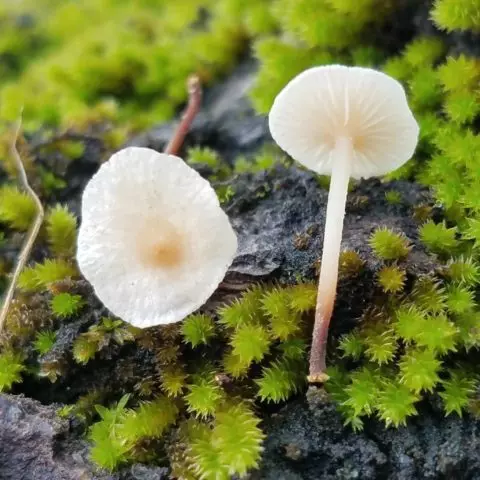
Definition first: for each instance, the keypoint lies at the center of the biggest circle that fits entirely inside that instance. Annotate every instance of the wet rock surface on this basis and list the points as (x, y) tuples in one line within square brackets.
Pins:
[(35, 444), (33, 441), (307, 441)]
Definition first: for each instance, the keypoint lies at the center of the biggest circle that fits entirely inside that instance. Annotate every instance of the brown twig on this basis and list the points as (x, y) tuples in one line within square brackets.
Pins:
[(32, 234), (194, 102)]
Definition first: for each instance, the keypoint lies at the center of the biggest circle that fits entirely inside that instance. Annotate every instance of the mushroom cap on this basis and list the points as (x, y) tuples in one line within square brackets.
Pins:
[(153, 241), (325, 103)]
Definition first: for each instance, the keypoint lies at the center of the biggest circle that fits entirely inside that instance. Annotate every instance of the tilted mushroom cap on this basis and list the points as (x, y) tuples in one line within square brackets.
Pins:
[(324, 103), (153, 242)]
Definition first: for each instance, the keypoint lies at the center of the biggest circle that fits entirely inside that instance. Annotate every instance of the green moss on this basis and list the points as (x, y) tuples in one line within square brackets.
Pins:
[(459, 74), (197, 329), (425, 90), (380, 343), (44, 341), (458, 391), (350, 263), (173, 380), (423, 51), (111, 61), (362, 391), (462, 107), (11, 368), (463, 270), (393, 197), (389, 245), (456, 14), (65, 305), (246, 309), (284, 323), (61, 231), (438, 237), (17, 209), (303, 297), (391, 279), (232, 446), (280, 380), (395, 403), (429, 295), (149, 420), (250, 343), (352, 345), (460, 299), (99, 336), (419, 370), (43, 275), (205, 156), (203, 396)]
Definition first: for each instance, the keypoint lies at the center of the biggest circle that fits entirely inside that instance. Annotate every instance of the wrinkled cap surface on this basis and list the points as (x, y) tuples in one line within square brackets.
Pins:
[(323, 103), (153, 242)]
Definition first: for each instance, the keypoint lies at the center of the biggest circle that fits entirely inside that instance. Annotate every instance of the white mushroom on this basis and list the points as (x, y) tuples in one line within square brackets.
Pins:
[(344, 122), (153, 242)]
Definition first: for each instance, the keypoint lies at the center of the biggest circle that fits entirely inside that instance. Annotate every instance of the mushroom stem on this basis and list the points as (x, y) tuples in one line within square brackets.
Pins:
[(194, 101), (342, 157)]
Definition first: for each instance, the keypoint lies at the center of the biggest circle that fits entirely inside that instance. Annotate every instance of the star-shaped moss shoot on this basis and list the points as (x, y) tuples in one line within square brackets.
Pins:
[(346, 122), (153, 242)]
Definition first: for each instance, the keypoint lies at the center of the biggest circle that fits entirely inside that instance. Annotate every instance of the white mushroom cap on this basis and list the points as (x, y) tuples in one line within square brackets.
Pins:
[(153, 242), (325, 103)]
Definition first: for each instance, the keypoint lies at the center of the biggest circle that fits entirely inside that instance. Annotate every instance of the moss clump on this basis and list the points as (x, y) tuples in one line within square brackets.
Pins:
[(44, 341), (100, 61), (389, 245), (350, 263), (255, 358), (438, 237), (198, 329), (204, 395), (120, 429), (99, 336), (457, 392), (61, 231), (232, 445), (46, 274), (11, 368), (391, 278), (17, 209), (456, 15), (65, 305), (463, 270), (399, 352), (281, 380)]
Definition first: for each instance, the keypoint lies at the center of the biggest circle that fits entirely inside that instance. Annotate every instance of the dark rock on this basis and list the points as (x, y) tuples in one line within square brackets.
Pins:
[(144, 472), (270, 210), (307, 441), (226, 122), (38, 445), (32, 444), (322, 447)]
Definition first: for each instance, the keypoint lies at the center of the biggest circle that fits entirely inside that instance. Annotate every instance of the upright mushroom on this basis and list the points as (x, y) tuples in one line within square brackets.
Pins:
[(344, 122), (153, 242)]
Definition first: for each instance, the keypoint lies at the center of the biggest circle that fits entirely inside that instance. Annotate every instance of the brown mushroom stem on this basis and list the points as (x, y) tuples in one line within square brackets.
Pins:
[(342, 157), (194, 102)]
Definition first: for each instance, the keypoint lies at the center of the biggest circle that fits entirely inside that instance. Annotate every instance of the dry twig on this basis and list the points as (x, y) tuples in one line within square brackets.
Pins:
[(194, 102), (32, 234)]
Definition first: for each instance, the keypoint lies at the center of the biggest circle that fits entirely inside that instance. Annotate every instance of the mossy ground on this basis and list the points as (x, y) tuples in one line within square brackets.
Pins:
[(414, 335)]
